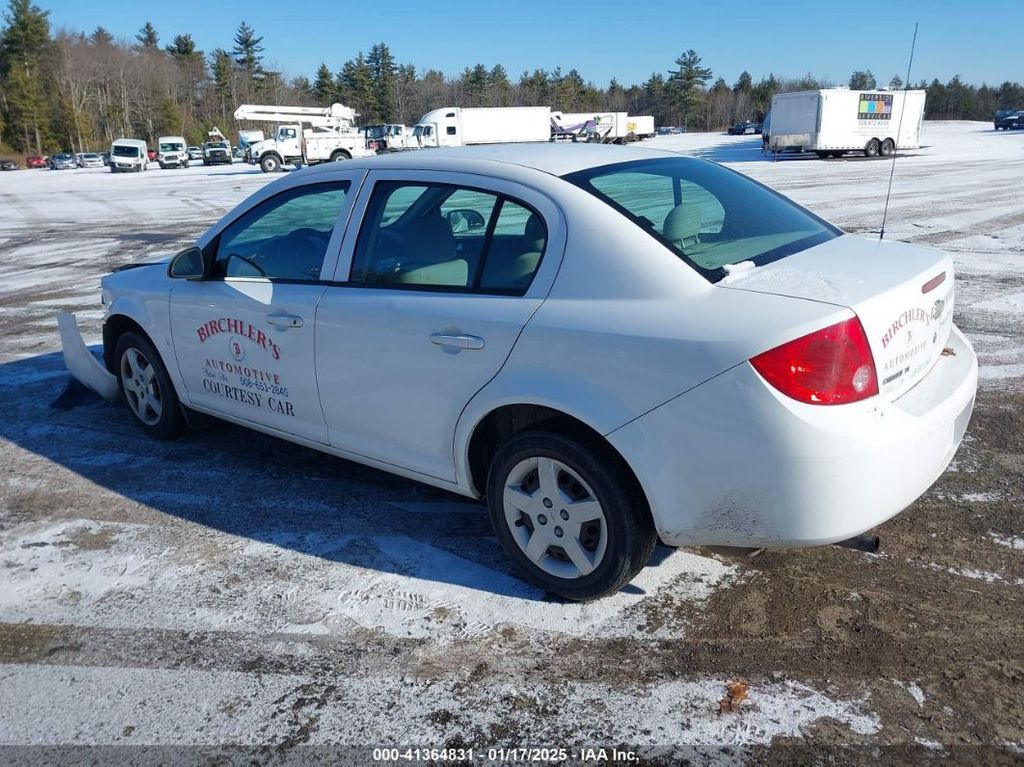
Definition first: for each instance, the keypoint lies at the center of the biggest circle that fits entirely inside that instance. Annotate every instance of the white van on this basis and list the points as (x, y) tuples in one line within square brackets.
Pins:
[(128, 154), (172, 152)]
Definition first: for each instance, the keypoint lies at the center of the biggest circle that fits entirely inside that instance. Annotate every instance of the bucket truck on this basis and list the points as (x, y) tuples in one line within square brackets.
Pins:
[(304, 135)]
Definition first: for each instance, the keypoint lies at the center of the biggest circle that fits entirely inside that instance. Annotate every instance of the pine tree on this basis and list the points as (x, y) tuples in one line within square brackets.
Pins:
[(101, 37), (247, 51), (147, 37), (862, 81), (686, 84), (23, 45), (184, 49), (324, 89), (382, 70), (896, 83), (357, 88), (499, 89)]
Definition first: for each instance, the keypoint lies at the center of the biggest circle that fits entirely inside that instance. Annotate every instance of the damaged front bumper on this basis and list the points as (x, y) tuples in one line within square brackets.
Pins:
[(81, 363)]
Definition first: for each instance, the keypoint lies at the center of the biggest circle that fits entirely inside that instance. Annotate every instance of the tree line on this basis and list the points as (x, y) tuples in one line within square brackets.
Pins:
[(71, 90)]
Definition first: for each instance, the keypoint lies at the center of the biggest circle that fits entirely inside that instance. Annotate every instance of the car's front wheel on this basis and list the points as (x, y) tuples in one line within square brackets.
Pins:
[(147, 387), (569, 514)]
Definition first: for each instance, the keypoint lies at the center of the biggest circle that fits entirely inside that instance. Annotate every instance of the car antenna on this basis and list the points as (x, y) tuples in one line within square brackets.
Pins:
[(899, 131)]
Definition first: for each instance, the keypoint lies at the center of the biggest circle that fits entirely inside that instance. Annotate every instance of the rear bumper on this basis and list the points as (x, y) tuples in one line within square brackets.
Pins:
[(734, 462)]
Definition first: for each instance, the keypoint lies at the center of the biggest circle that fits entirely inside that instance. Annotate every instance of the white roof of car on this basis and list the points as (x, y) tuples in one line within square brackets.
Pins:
[(557, 159)]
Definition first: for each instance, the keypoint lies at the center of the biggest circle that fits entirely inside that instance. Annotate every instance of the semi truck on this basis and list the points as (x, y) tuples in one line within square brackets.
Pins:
[(463, 126), (304, 135), (833, 121)]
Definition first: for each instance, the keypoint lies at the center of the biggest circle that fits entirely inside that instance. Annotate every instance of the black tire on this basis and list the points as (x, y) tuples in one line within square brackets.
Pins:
[(340, 156), (269, 163), (822, 154), (886, 148), (171, 422), (630, 532), (872, 148)]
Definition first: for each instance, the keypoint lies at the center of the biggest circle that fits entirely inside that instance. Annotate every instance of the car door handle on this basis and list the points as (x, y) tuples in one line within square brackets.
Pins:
[(457, 341), (282, 321)]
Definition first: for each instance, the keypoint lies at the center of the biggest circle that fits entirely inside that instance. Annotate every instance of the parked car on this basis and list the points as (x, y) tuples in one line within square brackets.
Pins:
[(8, 165), (35, 161), (741, 129), (474, 315), (758, 128), (195, 153), (237, 153), (90, 160), (105, 156), (63, 161), (1008, 119), (151, 155)]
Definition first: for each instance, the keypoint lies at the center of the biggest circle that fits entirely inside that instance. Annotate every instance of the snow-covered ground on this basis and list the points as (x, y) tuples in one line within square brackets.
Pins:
[(230, 588)]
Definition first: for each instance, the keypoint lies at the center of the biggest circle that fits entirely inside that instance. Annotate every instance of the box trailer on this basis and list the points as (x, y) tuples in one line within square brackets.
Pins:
[(605, 127), (456, 126), (641, 126), (833, 121)]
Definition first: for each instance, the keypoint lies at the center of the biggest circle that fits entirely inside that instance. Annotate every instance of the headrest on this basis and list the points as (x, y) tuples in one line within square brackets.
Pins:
[(535, 231), (682, 224)]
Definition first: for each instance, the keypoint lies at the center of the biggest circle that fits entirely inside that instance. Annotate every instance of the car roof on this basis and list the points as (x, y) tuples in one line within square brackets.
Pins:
[(556, 159)]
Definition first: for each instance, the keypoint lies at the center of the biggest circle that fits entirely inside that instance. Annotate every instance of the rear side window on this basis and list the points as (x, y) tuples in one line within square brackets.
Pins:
[(449, 238), (710, 216)]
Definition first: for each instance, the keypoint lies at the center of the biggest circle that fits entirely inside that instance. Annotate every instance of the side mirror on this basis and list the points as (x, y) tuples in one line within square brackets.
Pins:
[(190, 264), (464, 220)]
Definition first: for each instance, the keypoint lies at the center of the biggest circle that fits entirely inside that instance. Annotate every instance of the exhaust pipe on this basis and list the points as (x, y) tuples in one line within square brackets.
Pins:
[(863, 542)]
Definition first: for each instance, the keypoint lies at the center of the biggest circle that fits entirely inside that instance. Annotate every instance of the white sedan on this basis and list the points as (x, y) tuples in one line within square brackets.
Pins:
[(610, 345)]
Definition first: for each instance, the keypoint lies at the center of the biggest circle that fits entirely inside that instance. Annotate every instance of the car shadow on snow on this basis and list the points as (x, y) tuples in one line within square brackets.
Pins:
[(254, 486)]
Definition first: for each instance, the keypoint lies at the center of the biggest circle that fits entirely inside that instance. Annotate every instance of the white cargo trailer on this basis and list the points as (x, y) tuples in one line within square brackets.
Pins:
[(641, 126), (833, 121), (607, 127), (455, 126)]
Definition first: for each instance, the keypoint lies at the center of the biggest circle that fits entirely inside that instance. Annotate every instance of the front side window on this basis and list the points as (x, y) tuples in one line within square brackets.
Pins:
[(419, 235), (284, 237), (710, 216)]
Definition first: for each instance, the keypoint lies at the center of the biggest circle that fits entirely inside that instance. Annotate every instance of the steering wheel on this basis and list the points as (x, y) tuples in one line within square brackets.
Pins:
[(302, 250)]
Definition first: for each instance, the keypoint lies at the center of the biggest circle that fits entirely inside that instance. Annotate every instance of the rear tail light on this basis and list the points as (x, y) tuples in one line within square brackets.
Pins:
[(831, 366)]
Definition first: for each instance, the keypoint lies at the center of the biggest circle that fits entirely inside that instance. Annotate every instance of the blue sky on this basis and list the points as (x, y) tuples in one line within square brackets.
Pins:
[(979, 39)]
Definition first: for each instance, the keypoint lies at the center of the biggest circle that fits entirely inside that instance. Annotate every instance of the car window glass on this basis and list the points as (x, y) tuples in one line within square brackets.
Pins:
[(419, 235), (285, 237), (515, 250), (710, 216)]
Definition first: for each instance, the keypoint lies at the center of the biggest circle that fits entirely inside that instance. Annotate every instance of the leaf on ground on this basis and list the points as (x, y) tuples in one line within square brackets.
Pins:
[(735, 693)]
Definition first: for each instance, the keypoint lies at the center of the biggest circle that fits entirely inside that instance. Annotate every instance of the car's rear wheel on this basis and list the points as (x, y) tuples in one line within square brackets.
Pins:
[(147, 387), (569, 514)]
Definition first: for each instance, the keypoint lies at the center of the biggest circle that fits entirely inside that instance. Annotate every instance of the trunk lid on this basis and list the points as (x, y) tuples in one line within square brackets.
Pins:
[(903, 295)]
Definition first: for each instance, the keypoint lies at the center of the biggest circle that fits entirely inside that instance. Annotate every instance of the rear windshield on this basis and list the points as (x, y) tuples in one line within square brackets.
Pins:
[(710, 216), (121, 150)]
